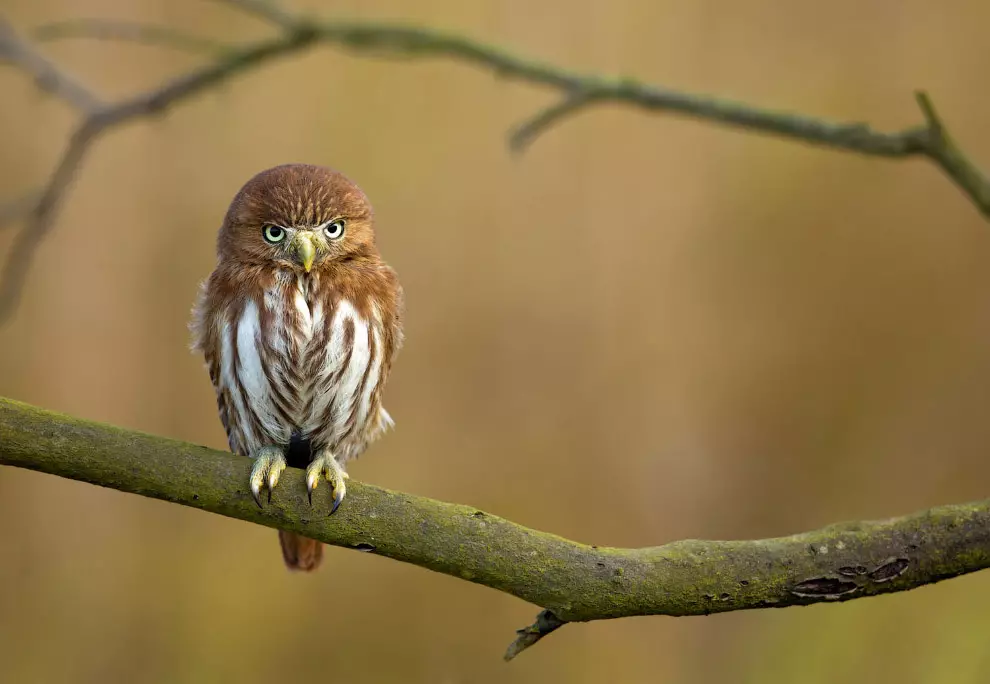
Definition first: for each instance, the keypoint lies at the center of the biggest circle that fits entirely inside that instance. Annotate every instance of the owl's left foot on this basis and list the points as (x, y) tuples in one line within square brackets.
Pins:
[(269, 462), (325, 465)]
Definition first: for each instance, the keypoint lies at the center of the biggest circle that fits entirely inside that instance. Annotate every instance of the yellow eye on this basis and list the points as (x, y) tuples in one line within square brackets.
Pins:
[(274, 234), (335, 229)]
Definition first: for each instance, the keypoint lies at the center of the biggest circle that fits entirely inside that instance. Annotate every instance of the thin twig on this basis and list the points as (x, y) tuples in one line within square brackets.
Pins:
[(42, 214), (130, 32), (579, 91), (266, 10), (17, 209), (41, 218), (546, 622), (527, 132), (941, 148), (48, 77)]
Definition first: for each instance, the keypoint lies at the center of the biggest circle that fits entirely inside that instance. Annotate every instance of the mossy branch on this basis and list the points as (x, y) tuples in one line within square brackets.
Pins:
[(297, 32), (573, 582)]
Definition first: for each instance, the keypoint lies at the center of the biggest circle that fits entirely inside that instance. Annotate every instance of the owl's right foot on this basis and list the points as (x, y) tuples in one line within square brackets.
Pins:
[(269, 462)]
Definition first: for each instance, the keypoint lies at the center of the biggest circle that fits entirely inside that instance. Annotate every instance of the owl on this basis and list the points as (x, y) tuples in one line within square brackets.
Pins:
[(299, 324)]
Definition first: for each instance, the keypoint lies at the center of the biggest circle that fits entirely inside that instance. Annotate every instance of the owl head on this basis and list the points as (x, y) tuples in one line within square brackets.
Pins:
[(299, 217)]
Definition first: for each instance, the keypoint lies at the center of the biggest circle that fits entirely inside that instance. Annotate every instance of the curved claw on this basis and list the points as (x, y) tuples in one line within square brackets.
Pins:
[(325, 465), (312, 479), (273, 476), (269, 463)]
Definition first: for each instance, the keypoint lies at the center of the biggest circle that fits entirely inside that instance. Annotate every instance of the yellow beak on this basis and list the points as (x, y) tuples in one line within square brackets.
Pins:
[(302, 245)]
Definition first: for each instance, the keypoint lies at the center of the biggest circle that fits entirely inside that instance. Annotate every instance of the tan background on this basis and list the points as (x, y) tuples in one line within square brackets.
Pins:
[(736, 336)]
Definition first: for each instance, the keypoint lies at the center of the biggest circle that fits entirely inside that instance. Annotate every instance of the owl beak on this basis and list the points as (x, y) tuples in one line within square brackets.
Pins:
[(302, 245)]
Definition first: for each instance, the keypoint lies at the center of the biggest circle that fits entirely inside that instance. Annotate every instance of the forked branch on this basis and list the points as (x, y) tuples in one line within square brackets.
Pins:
[(295, 33), (572, 582)]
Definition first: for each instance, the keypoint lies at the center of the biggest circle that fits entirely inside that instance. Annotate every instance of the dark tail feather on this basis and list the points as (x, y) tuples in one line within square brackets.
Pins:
[(300, 553)]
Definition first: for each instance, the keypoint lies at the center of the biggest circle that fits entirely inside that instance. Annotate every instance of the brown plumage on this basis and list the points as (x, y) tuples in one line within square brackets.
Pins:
[(299, 325)]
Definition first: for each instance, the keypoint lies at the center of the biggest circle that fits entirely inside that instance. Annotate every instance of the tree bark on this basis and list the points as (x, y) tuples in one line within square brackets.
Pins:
[(572, 581)]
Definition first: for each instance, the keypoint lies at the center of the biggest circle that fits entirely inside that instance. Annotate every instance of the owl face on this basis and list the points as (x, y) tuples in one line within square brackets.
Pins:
[(297, 217)]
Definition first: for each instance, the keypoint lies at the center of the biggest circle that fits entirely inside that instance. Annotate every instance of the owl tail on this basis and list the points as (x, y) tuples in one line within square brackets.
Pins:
[(300, 553)]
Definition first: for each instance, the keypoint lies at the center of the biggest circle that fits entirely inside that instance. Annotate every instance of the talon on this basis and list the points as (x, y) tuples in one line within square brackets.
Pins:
[(327, 466), (257, 479), (274, 473), (312, 479), (269, 462)]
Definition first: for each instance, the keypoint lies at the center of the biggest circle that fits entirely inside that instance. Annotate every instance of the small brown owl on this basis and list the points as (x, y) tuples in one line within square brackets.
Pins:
[(299, 323)]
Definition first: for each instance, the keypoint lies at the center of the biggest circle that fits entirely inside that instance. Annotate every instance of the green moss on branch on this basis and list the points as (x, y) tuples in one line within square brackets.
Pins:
[(573, 581)]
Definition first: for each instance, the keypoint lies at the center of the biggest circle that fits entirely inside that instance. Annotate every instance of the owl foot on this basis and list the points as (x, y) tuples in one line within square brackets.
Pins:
[(269, 462), (325, 465)]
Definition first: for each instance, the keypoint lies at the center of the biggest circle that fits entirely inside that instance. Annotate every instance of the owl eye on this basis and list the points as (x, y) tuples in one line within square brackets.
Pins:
[(273, 234), (335, 229)]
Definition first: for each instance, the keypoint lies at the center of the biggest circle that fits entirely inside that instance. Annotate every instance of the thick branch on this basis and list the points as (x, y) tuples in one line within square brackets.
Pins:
[(572, 581)]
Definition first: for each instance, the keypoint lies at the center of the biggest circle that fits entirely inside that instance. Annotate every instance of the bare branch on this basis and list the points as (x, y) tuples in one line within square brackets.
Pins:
[(130, 32), (267, 10), (527, 132), (940, 147), (297, 32), (17, 209), (42, 214), (546, 622), (14, 50), (573, 582)]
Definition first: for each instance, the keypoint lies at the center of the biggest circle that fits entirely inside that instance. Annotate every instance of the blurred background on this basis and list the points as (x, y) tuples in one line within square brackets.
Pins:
[(740, 336)]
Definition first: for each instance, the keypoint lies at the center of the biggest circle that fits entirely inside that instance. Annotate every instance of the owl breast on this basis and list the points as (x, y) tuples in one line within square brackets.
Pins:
[(298, 364)]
